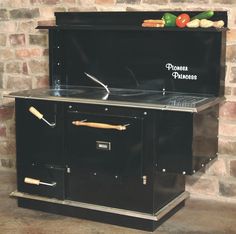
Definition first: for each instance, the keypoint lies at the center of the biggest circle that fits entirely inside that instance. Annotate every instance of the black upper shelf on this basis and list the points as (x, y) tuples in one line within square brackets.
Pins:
[(130, 28), (125, 21)]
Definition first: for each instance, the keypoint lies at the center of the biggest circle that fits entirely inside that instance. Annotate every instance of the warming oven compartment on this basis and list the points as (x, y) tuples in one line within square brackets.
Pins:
[(43, 180), (105, 157)]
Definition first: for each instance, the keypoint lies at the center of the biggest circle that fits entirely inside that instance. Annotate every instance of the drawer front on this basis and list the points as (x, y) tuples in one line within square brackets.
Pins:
[(43, 180)]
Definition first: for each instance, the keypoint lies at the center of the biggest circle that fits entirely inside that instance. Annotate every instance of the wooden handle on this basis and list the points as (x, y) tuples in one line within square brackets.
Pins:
[(99, 125), (35, 112), (28, 180)]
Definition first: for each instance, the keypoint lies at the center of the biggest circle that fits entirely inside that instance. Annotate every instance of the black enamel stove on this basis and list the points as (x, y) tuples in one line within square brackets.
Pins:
[(129, 112)]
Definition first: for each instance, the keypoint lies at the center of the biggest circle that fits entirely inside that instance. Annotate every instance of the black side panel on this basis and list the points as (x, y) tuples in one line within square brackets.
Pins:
[(37, 141), (205, 137), (175, 142)]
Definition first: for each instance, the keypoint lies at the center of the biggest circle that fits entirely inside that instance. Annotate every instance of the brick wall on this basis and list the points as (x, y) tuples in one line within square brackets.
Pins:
[(24, 64)]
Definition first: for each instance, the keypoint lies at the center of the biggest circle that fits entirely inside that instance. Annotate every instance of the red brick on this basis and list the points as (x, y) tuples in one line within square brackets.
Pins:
[(18, 83), (228, 111), (1, 67), (156, 1), (6, 112), (227, 147), (40, 40), (17, 39), (7, 162), (42, 81), (27, 26), (45, 52), (25, 69), (84, 9), (224, 1), (3, 39), (12, 129), (202, 185), (227, 188), (69, 1), (227, 129), (28, 53), (231, 53), (6, 54), (14, 3), (217, 167), (22, 53), (38, 66), (104, 1), (231, 35), (227, 90), (233, 75), (24, 13), (3, 14), (13, 67), (50, 2), (8, 27), (134, 2), (46, 22), (2, 131), (234, 91), (233, 168)]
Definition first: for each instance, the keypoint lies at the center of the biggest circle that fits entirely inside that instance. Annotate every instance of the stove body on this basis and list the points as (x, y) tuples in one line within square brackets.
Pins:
[(119, 156)]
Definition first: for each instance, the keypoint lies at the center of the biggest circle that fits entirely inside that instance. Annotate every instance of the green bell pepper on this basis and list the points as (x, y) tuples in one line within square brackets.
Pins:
[(169, 19)]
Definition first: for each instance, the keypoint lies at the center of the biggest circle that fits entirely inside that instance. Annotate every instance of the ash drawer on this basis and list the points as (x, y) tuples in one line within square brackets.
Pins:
[(43, 180)]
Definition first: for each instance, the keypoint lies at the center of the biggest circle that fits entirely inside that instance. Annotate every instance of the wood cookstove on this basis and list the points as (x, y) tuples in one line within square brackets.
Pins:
[(124, 120)]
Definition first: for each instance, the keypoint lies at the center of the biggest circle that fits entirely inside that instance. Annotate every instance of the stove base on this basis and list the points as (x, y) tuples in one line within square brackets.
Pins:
[(137, 220)]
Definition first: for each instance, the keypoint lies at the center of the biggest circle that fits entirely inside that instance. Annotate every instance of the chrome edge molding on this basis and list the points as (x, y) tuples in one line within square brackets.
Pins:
[(162, 212)]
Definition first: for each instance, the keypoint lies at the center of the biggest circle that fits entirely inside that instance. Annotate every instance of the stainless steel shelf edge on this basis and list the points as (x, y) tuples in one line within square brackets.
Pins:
[(155, 217), (121, 104)]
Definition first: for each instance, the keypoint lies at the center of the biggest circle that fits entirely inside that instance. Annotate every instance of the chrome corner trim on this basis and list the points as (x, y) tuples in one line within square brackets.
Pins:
[(171, 205), (162, 212)]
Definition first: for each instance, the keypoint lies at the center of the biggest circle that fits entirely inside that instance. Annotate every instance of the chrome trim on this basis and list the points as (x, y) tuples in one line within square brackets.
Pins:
[(163, 211), (121, 104)]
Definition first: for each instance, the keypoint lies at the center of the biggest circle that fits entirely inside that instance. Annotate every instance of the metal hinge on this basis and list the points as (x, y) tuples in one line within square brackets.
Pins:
[(144, 179), (68, 170)]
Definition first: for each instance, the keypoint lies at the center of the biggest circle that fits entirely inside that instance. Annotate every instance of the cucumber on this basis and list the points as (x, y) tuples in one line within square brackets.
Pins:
[(203, 15)]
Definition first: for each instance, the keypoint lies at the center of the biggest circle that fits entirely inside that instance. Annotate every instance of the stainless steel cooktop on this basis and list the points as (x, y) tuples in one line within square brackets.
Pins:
[(163, 100)]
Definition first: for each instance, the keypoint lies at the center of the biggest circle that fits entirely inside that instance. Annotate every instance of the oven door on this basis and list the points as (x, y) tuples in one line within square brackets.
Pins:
[(105, 162)]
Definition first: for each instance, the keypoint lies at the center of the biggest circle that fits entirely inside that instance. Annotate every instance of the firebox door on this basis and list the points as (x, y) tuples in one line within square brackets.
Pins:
[(105, 157)]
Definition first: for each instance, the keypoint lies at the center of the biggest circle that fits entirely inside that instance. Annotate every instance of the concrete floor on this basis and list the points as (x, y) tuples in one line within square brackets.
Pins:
[(197, 217)]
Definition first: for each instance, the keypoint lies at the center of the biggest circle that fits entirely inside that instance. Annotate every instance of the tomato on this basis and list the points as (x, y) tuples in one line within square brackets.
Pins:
[(182, 20)]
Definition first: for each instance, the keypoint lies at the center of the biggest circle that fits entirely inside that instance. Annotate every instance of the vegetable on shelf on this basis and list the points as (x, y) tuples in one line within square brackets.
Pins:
[(156, 23), (218, 24), (193, 24), (203, 15), (204, 23), (182, 20), (169, 19)]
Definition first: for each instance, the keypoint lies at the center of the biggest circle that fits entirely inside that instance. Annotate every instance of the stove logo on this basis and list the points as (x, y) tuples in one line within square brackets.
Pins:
[(177, 72)]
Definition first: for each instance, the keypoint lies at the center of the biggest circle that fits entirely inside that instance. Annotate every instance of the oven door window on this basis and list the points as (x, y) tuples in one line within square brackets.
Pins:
[(105, 163)]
